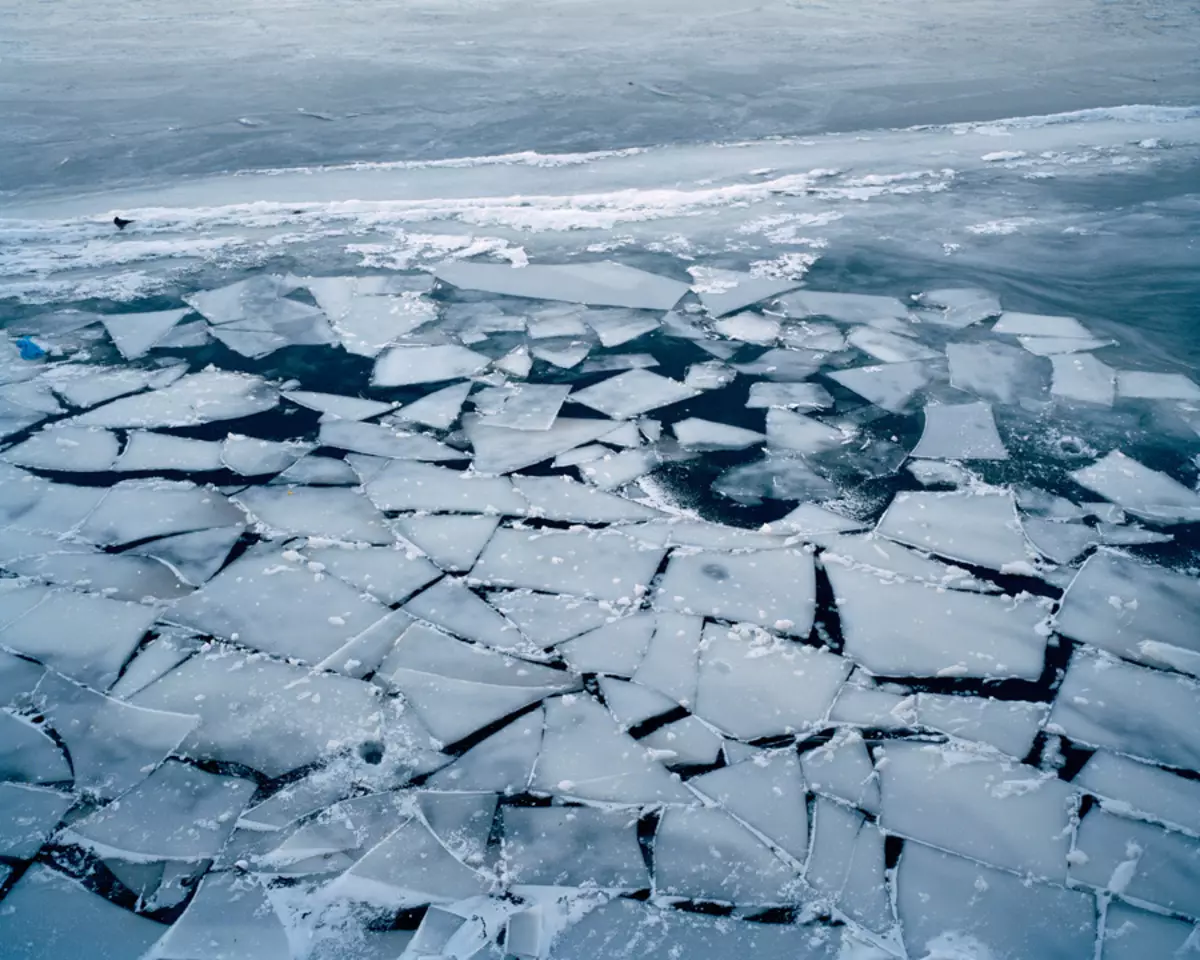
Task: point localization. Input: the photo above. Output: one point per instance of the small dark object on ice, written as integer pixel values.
(121, 222)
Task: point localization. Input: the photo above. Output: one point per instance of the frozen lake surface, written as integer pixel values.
(654, 538)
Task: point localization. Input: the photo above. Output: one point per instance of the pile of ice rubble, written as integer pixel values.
(358, 689)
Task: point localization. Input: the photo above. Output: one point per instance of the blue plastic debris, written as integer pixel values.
(30, 350)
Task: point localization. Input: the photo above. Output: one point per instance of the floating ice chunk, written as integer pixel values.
(463, 822)
(268, 602)
(501, 450)
(371, 323)
(977, 528)
(328, 512)
(184, 336)
(626, 434)
(1038, 325)
(813, 336)
(1053, 346)
(836, 834)
(887, 558)
(774, 478)
(632, 393)
(155, 659)
(846, 307)
(556, 322)
(792, 396)
(82, 449)
(963, 431)
(516, 363)
(177, 813)
(749, 328)
(773, 588)
(28, 815)
(363, 653)
(890, 386)
(403, 485)
(1156, 386)
(245, 299)
(336, 295)
(230, 917)
(548, 618)
(502, 763)
(1137, 789)
(726, 291)
(957, 907)
(112, 744)
(764, 686)
(896, 628)
(1143, 492)
(146, 451)
(581, 455)
(252, 457)
(998, 812)
(17, 676)
(1132, 934)
(449, 604)
(1151, 719)
(699, 533)
(138, 509)
(452, 542)
(318, 471)
(134, 334)
(565, 355)
(86, 637)
(1140, 861)
(616, 648)
(338, 835)
(686, 741)
(380, 441)
(28, 753)
(607, 566)
(529, 407)
(671, 665)
(116, 577)
(783, 365)
(585, 756)
(615, 327)
(931, 473)
(1009, 726)
(710, 375)
(336, 405)
(888, 347)
(204, 397)
(1132, 610)
(705, 854)
(789, 432)
(961, 307)
(809, 521)
(573, 846)
(195, 557)
(697, 434)
(48, 916)
(603, 284)
(842, 769)
(997, 371)
(82, 387)
(1082, 377)
(560, 498)
(612, 472)
(438, 409)
(874, 708)
(767, 795)
(406, 365)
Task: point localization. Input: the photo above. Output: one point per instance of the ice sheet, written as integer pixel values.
(632, 393)
(846, 307)
(561, 498)
(139, 509)
(696, 434)
(793, 396)
(972, 527)
(336, 405)
(135, 334)
(996, 371)
(380, 441)
(615, 648)
(407, 365)
(749, 328)
(766, 794)
(964, 431)
(549, 618)
(439, 409)
(331, 513)
(452, 542)
(601, 284)
(403, 485)
(726, 291)
(147, 451)
(842, 769)
(1138, 789)
(452, 606)
(84, 449)
(1039, 325)
(1140, 490)
(671, 664)
(1140, 384)
(1007, 725)
(231, 917)
(204, 397)
(1131, 934)
(253, 457)
(501, 450)
(28, 815)
(573, 846)
(890, 386)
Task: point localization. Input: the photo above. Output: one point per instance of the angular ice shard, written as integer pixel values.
(1140, 861)
(516, 363)
(275, 717)
(28, 815)
(963, 431)
(774, 478)
(158, 657)
(842, 769)
(1143, 713)
(704, 854)
(113, 745)
(230, 917)
(774, 588)
(889, 559)
(1135, 789)
(134, 334)
(204, 397)
(1143, 492)
(573, 846)
(76, 449)
(996, 371)
(1132, 934)
(529, 407)
(452, 542)
(960, 307)
(633, 703)
(898, 628)
(369, 324)
(336, 295)
(146, 452)
(1056, 346)
(1008, 725)
(749, 328)
(711, 375)
(762, 686)
(811, 521)
(139, 509)
(462, 821)
(888, 347)
(998, 812)
(811, 335)
(681, 532)
(615, 648)
(632, 393)
(114, 576)
(177, 813)
(766, 794)
(439, 409)
(585, 756)
(846, 307)
(252, 457)
(270, 601)
(502, 763)
(605, 565)
(338, 835)
(550, 618)
(686, 741)
(81, 387)
(1082, 377)
(847, 864)
(890, 386)
(671, 665)
(1060, 542)
(316, 471)
(978, 528)
(1134, 611)
(1141, 384)
(615, 327)
(406, 365)
(873, 707)
(335, 405)
(194, 557)
(792, 396)
(956, 907)
(501, 450)
(28, 753)
(616, 470)
(602, 284)
(561, 498)
(331, 513)
(48, 916)
(726, 291)
(451, 605)
(379, 441)
(777, 364)
(564, 354)
(1038, 325)
(403, 485)
(790, 433)
(696, 434)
